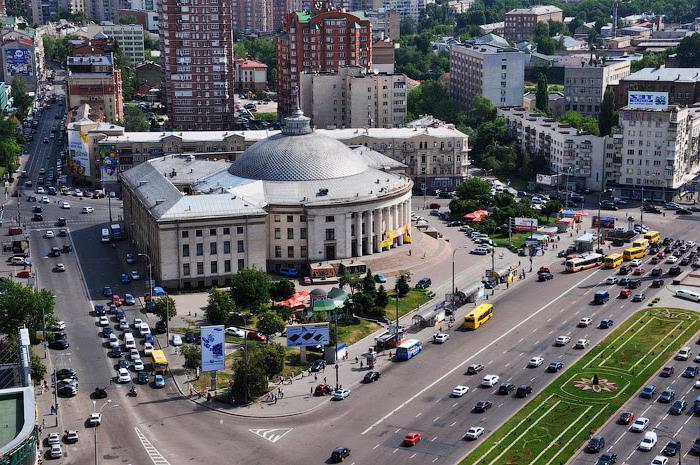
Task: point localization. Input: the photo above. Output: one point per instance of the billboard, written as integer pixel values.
(525, 224)
(308, 335)
(109, 163)
(607, 222)
(545, 179)
(212, 347)
(18, 61)
(78, 151)
(647, 100)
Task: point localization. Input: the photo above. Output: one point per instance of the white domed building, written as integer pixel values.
(292, 199)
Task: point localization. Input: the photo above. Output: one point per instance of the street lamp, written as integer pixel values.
(94, 409)
(669, 435)
(150, 293)
(600, 199)
(453, 291)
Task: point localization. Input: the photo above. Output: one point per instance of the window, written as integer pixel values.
(185, 250)
(290, 233)
(212, 248)
(240, 247)
(277, 218)
(278, 251)
(239, 230)
(227, 231)
(330, 234)
(200, 249)
(212, 232)
(330, 219)
(200, 267)
(290, 251)
(302, 233)
(198, 233)
(227, 246)
(227, 266)
(303, 251)
(185, 234)
(186, 269)
(290, 218)
(302, 218)
(241, 264)
(214, 266)
(278, 233)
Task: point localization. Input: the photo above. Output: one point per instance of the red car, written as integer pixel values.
(639, 271)
(625, 293)
(255, 336)
(117, 300)
(625, 418)
(412, 439)
(24, 274)
(660, 255)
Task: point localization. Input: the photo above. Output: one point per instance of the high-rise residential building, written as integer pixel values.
(520, 24)
(585, 85)
(491, 71)
(319, 41)
(253, 16)
(196, 41)
(407, 8)
(103, 10)
(385, 23)
(128, 36)
(352, 98)
(682, 84)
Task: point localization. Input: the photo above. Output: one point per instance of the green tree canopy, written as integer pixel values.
(135, 120)
(475, 189)
(542, 97)
(552, 207)
(220, 307)
(21, 305)
(688, 52)
(403, 284)
(250, 289)
(282, 289)
(249, 379)
(607, 118)
(580, 122)
(20, 97)
(270, 323)
(273, 356)
(164, 307)
(193, 355)
(431, 98)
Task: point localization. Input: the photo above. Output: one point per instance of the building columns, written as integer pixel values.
(370, 232)
(380, 229)
(402, 220)
(348, 235)
(358, 232)
(395, 220)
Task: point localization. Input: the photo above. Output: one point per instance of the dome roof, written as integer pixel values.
(304, 157)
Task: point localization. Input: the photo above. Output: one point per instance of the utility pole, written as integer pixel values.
(493, 269)
(337, 365)
(641, 210)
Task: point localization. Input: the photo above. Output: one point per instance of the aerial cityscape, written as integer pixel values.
(459, 232)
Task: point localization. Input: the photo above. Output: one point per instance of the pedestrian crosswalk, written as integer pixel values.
(152, 452)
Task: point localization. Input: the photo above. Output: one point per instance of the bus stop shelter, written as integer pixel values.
(429, 316)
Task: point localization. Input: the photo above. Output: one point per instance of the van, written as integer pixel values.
(600, 297)
(129, 342)
(648, 442)
(688, 295)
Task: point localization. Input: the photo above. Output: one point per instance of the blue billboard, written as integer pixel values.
(308, 335)
(18, 61)
(212, 348)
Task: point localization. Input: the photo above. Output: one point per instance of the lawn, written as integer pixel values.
(518, 237)
(414, 299)
(350, 334)
(553, 426)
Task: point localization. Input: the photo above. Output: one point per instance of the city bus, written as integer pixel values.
(477, 317)
(585, 262)
(652, 236)
(409, 349)
(160, 363)
(613, 260)
(641, 243)
(634, 252)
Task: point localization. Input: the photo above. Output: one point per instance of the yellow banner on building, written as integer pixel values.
(392, 234)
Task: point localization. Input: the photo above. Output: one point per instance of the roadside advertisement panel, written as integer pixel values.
(525, 224)
(545, 179)
(606, 222)
(78, 152)
(308, 335)
(109, 163)
(647, 100)
(212, 348)
(18, 61)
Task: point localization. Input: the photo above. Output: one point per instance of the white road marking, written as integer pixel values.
(152, 452)
(375, 447)
(455, 404)
(395, 451)
(506, 365)
(477, 353)
(414, 454)
(548, 320)
(435, 459)
(437, 401)
(535, 330)
(629, 456)
(505, 351)
(489, 362)
(562, 310)
(435, 419)
(397, 431)
(521, 340)
(550, 332)
(537, 342)
(419, 414)
(453, 423)
(271, 434)
(533, 379)
(500, 405)
(434, 438)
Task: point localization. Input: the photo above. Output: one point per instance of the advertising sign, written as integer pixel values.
(212, 347)
(308, 335)
(607, 222)
(109, 163)
(647, 100)
(525, 224)
(78, 152)
(18, 61)
(545, 179)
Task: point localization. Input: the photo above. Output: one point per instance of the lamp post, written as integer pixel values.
(600, 199)
(668, 434)
(150, 293)
(453, 291)
(94, 409)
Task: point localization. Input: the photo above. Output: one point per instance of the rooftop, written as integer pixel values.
(665, 74)
(537, 9)
(489, 48)
(247, 63)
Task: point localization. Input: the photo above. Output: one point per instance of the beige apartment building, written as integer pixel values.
(520, 23)
(352, 98)
(585, 85)
(128, 36)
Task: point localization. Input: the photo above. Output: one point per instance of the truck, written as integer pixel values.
(116, 231)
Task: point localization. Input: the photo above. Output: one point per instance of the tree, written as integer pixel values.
(607, 118)
(249, 379)
(283, 311)
(20, 98)
(164, 307)
(135, 120)
(273, 356)
(220, 306)
(431, 98)
(38, 369)
(382, 298)
(546, 45)
(580, 122)
(369, 286)
(353, 281)
(502, 158)
(282, 289)
(552, 207)
(250, 289)
(475, 189)
(127, 19)
(270, 323)
(542, 97)
(688, 51)
(363, 303)
(193, 355)
(21, 305)
(402, 285)
(480, 111)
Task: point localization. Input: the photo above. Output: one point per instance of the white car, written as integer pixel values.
(639, 425)
(123, 325)
(671, 259)
(104, 321)
(440, 338)
(56, 451)
(490, 380)
(659, 460)
(648, 442)
(176, 340)
(535, 362)
(611, 280)
(697, 384)
(690, 243)
(134, 354)
(683, 354)
(582, 344)
(53, 438)
(583, 322)
(137, 323)
(44, 199)
(40, 190)
(138, 365)
(65, 205)
(460, 390)
(113, 340)
(78, 193)
(340, 394)
(144, 329)
(88, 209)
(124, 376)
(562, 340)
(49, 234)
(233, 331)
(95, 419)
(473, 433)
(147, 349)
(59, 325)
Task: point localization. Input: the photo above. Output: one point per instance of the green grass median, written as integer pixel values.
(552, 427)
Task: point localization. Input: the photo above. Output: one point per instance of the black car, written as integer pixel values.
(38, 217)
(657, 283)
(695, 448)
(61, 222)
(55, 252)
(142, 377)
(99, 393)
(67, 391)
(651, 209)
(482, 406)
(37, 209)
(505, 388)
(691, 372)
(160, 326)
(107, 330)
(62, 233)
(674, 271)
(595, 444)
(99, 310)
(190, 337)
(107, 291)
(671, 448)
(553, 367)
(667, 372)
(67, 248)
(371, 377)
(667, 396)
(607, 458)
(66, 373)
(625, 418)
(424, 283)
(683, 211)
(606, 324)
(657, 272)
(608, 205)
(634, 283)
(339, 454)
(544, 276)
(678, 407)
(116, 352)
(624, 269)
(317, 366)
(685, 261)
(122, 364)
(523, 390)
(60, 344)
